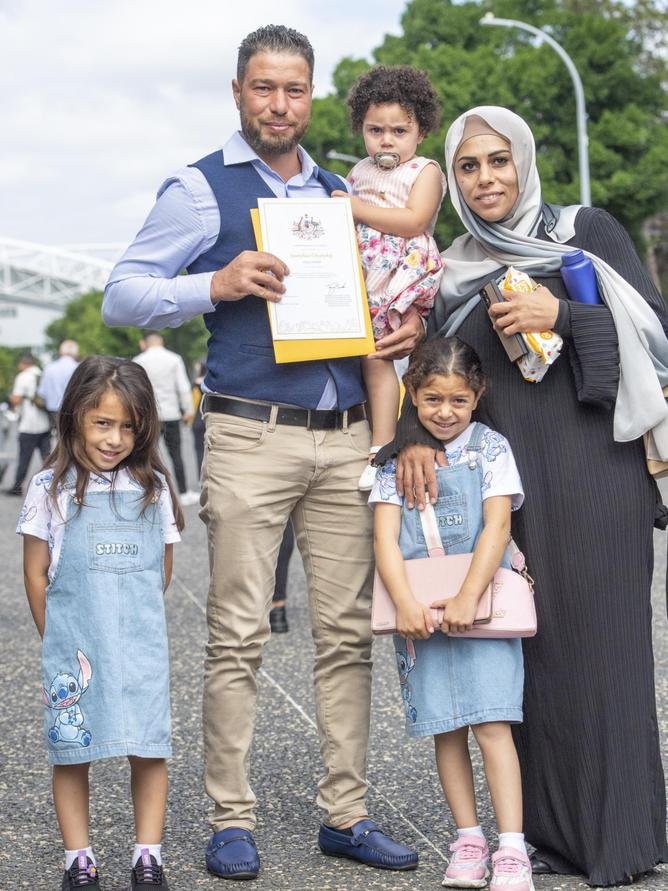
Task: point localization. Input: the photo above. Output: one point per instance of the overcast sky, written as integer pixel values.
(100, 101)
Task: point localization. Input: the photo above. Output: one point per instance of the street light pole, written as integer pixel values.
(341, 156)
(580, 112)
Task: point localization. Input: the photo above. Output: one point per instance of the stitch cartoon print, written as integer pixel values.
(64, 695)
(406, 664)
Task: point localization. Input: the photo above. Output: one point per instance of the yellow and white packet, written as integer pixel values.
(544, 346)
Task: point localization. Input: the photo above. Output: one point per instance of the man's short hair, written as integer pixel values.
(274, 39)
(69, 348)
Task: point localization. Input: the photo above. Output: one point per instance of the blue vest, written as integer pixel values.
(240, 353)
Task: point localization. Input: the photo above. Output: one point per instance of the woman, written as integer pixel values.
(589, 747)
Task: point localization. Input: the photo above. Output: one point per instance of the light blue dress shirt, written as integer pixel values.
(54, 380)
(145, 288)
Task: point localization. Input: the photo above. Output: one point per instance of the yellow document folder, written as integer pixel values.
(320, 348)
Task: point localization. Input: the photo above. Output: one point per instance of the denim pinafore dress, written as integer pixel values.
(105, 663)
(448, 682)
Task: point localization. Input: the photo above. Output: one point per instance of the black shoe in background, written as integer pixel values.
(278, 621)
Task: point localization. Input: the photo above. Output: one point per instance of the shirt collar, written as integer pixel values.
(237, 151)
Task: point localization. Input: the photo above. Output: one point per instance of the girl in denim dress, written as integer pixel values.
(451, 684)
(98, 527)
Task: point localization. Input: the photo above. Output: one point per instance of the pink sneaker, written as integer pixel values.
(511, 871)
(468, 864)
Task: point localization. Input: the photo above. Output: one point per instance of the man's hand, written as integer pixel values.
(415, 473)
(522, 312)
(403, 341)
(252, 272)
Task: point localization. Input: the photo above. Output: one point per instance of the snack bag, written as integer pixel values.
(544, 346)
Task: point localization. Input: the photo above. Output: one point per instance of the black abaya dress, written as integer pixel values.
(594, 794)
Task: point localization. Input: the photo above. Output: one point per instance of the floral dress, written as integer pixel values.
(399, 272)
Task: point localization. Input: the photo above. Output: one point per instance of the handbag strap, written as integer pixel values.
(432, 536)
(435, 547)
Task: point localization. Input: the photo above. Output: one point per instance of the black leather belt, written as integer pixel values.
(311, 418)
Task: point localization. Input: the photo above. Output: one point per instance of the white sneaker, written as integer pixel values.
(189, 497)
(367, 478)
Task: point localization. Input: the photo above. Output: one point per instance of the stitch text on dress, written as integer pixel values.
(451, 520)
(116, 547)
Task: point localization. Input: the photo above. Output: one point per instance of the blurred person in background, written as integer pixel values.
(171, 387)
(56, 376)
(197, 426)
(34, 426)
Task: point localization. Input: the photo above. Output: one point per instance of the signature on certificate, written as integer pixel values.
(332, 287)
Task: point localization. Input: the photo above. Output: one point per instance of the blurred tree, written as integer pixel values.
(82, 321)
(9, 358)
(617, 48)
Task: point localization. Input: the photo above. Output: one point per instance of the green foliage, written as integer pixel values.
(82, 321)
(616, 47)
(9, 358)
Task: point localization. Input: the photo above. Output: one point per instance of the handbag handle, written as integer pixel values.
(432, 536)
(435, 547)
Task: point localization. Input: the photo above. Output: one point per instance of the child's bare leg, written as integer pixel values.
(382, 387)
(70, 796)
(149, 797)
(502, 770)
(456, 774)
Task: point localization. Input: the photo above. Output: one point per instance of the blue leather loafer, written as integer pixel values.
(231, 854)
(367, 844)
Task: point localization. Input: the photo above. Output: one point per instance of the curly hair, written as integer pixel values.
(445, 356)
(403, 84)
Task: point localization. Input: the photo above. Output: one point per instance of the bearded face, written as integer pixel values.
(274, 102)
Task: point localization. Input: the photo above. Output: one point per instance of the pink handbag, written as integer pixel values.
(506, 608)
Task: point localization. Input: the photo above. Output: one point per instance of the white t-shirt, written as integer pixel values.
(499, 471)
(31, 418)
(39, 516)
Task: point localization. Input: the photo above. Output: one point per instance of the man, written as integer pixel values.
(56, 376)
(34, 426)
(173, 396)
(283, 441)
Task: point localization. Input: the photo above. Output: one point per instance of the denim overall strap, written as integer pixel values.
(513, 556)
(474, 445)
(458, 512)
(105, 661)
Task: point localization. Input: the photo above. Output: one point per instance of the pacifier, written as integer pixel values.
(386, 160)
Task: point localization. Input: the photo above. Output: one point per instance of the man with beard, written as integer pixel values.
(283, 441)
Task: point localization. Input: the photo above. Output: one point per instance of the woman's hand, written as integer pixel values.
(415, 473)
(458, 612)
(415, 621)
(522, 312)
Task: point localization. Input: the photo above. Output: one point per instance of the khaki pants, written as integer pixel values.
(255, 476)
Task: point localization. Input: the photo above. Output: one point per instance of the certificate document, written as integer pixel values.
(325, 297)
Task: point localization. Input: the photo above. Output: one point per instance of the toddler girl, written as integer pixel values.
(98, 528)
(395, 201)
(452, 683)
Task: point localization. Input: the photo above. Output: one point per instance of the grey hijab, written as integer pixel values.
(474, 258)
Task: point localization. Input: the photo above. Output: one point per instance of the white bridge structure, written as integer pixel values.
(36, 283)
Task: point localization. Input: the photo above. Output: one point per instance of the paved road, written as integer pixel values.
(404, 796)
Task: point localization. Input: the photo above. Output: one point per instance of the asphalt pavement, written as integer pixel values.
(404, 795)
